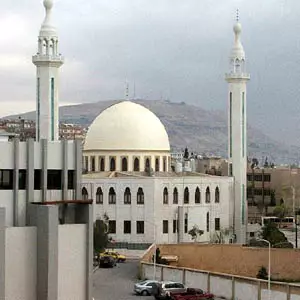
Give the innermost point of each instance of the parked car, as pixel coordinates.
(107, 261)
(165, 288)
(117, 256)
(191, 294)
(146, 287)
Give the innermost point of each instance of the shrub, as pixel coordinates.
(262, 273)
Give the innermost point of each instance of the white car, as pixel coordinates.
(145, 287)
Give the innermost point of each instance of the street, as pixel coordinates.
(117, 283)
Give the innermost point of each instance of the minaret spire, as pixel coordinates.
(47, 61)
(237, 131)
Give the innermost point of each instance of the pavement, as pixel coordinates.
(117, 283)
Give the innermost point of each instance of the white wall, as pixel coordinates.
(72, 260)
(21, 263)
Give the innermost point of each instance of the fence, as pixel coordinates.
(223, 285)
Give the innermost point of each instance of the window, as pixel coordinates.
(165, 196)
(207, 195)
(136, 165)
(127, 227)
(186, 197)
(175, 227)
(230, 170)
(85, 194)
(99, 196)
(185, 223)
(127, 196)
(71, 179)
(207, 222)
(165, 226)
(102, 164)
(22, 179)
(157, 164)
(112, 165)
(140, 196)
(111, 196)
(37, 179)
(147, 165)
(217, 195)
(217, 224)
(93, 164)
(252, 234)
(175, 196)
(111, 226)
(86, 158)
(54, 180)
(267, 177)
(6, 179)
(124, 164)
(139, 227)
(164, 164)
(197, 195)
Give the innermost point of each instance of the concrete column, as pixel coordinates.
(29, 176)
(208, 282)
(233, 288)
(65, 170)
(47, 252)
(2, 253)
(78, 169)
(183, 276)
(44, 152)
(258, 290)
(84, 215)
(288, 292)
(16, 182)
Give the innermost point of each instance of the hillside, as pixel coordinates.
(201, 130)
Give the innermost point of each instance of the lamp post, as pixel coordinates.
(269, 271)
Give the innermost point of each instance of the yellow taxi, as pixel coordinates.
(117, 256)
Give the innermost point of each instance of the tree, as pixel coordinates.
(195, 232)
(218, 237)
(101, 238)
(280, 211)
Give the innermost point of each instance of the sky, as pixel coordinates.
(168, 49)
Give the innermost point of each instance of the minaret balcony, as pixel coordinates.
(232, 76)
(48, 58)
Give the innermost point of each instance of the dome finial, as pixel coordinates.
(237, 15)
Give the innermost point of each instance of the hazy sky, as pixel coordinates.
(171, 49)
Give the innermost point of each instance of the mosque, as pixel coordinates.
(126, 158)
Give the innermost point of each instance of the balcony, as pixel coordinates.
(48, 58)
(229, 76)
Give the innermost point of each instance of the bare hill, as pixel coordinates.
(200, 130)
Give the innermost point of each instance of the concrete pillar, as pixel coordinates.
(183, 276)
(29, 176)
(47, 252)
(208, 282)
(65, 170)
(78, 169)
(16, 182)
(258, 290)
(233, 288)
(288, 292)
(44, 152)
(2, 253)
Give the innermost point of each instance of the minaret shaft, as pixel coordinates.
(47, 61)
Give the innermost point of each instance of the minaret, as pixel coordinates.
(47, 61)
(237, 133)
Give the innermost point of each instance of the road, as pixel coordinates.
(117, 283)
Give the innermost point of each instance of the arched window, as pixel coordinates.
(140, 196)
(93, 164)
(102, 164)
(175, 196)
(186, 218)
(112, 166)
(186, 196)
(164, 164)
(111, 196)
(147, 165)
(207, 195)
(85, 194)
(197, 196)
(165, 196)
(217, 195)
(124, 164)
(207, 222)
(156, 164)
(99, 196)
(127, 196)
(136, 165)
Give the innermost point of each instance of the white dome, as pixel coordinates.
(127, 126)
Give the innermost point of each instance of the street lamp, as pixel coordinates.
(269, 271)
